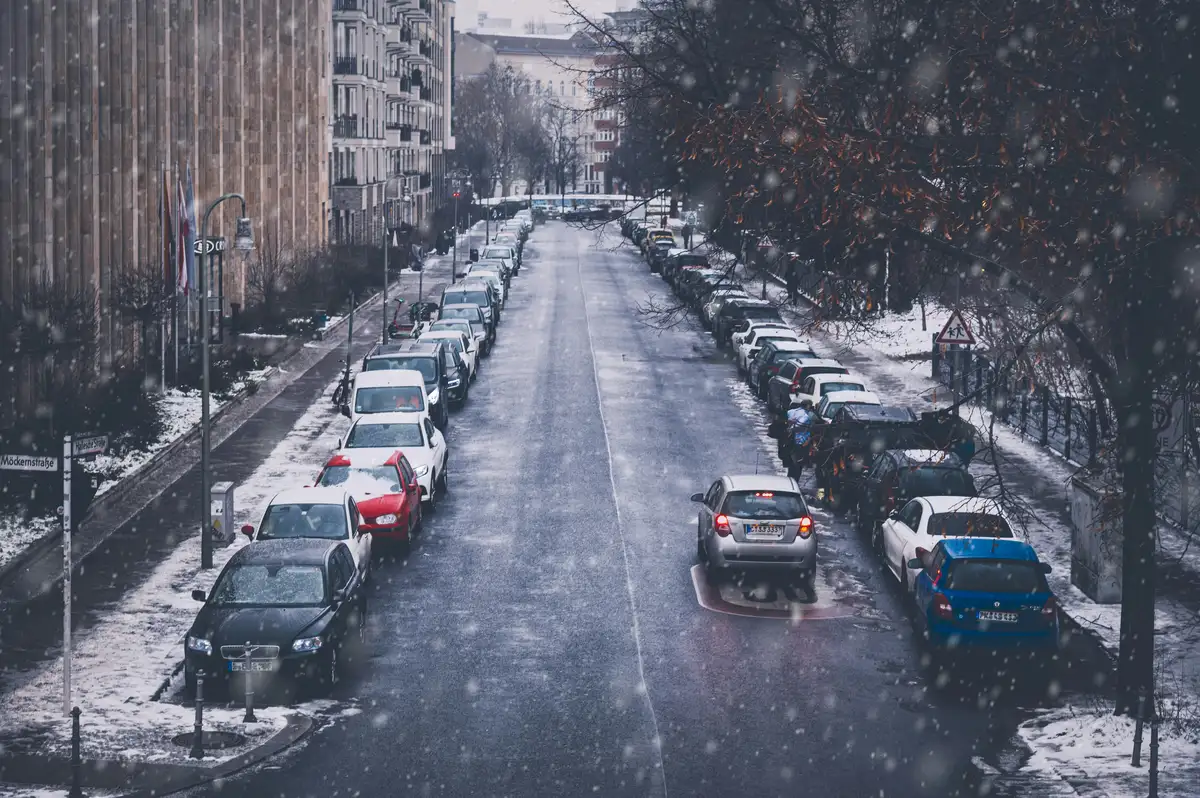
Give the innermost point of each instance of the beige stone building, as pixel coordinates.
(97, 97)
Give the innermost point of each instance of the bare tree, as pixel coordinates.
(269, 276)
(141, 293)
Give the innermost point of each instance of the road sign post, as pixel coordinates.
(956, 333)
(68, 452)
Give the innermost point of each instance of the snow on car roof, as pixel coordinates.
(963, 504)
(852, 397)
(388, 377)
(309, 496)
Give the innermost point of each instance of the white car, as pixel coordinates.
(460, 342)
(325, 513)
(816, 386)
(502, 252)
(387, 391)
(718, 298)
(739, 338)
(492, 276)
(748, 348)
(422, 443)
(833, 402)
(925, 520)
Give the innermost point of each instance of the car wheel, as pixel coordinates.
(701, 552)
(904, 577)
(362, 623)
(809, 583)
(713, 575)
(433, 493)
(445, 486)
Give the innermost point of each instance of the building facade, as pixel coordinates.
(389, 107)
(102, 101)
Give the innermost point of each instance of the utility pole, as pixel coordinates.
(454, 244)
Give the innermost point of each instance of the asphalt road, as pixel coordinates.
(547, 637)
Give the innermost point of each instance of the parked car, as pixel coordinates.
(299, 604)
(739, 338)
(898, 476)
(429, 359)
(756, 522)
(463, 326)
(491, 278)
(463, 345)
(680, 261)
(479, 326)
(768, 360)
(422, 443)
(985, 595)
(386, 390)
(834, 401)
(502, 252)
(384, 488)
(736, 317)
(784, 387)
(747, 350)
(325, 513)
(920, 524)
(476, 295)
(847, 444)
(656, 253)
(815, 387)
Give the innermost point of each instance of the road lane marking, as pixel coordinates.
(772, 603)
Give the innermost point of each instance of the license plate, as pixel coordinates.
(253, 666)
(765, 531)
(1001, 617)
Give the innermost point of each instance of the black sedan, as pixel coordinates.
(282, 611)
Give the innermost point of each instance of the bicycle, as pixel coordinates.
(341, 394)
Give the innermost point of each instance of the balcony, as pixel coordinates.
(350, 6)
(419, 10)
(398, 134)
(398, 86)
(399, 37)
(346, 127)
(426, 138)
(416, 77)
(346, 65)
(349, 180)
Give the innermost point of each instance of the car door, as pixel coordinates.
(437, 445)
(872, 487)
(779, 388)
(344, 578)
(412, 490)
(361, 541)
(898, 533)
(712, 500)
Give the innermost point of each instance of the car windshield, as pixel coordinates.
(755, 312)
(373, 479)
(471, 314)
(936, 481)
(304, 521)
(691, 260)
(976, 525)
(454, 342)
(762, 339)
(830, 387)
(422, 363)
(504, 253)
(829, 409)
(996, 576)
(388, 399)
(384, 436)
(764, 505)
(461, 325)
(270, 586)
(466, 298)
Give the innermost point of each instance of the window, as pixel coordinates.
(270, 586)
(713, 494)
(303, 521)
(911, 515)
(788, 371)
(765, 505)
(996, 576)
(342, 568)
(429, 429)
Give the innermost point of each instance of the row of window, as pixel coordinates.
(362, 166)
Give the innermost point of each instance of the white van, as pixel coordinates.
(387, 391)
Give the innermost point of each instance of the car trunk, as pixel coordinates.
(997, 595)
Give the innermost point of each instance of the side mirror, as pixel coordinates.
(345, 410)
(362, 530)
(1045, 567)
(394, 488)
(248, 530)
(341, 442)
(916, 564)
(199, 595)
(697, 497)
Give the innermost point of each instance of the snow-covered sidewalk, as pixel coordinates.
(1080, 742)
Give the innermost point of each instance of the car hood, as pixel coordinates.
(416, 455)
(372, 504)
(259, 625)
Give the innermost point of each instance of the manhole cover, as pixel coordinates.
(210, 740)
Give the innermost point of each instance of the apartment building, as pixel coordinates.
(390, 105)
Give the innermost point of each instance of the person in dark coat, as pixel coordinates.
(793, 282)
(687, 236)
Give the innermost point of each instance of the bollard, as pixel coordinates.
(76, 759)
(249, 688)
(1153, 753)
(1136, 761)
(197, 751)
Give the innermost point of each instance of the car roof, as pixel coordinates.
(444, 334)
(988, 548)
(309, 496)
(748, 302)
(417, 347)
(285, 551)
(388, 377)
(390, 417)
(769, 482)
(962, 504)
(926, 457)
(364, 457)
(817, 362)
(823, 378)
(862, 397)
(790, 346)
(462, 305)
(874, 413)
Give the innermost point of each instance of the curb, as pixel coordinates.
(177, 780)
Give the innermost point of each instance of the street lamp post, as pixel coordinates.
(244, 241)
(454, 244)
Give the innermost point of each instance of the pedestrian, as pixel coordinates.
(687, 236)
(799, 431)
(964, 445)
(793, 281)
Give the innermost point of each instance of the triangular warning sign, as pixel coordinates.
(956, 331)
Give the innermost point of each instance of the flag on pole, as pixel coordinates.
(191, 227)
(181, 269)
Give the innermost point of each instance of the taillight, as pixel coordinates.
(942, 608)
(796, 382)
(721, 523)
(806, 527)
(1049, 610)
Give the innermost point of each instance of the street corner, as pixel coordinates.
(756, 597)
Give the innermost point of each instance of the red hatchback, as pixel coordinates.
(386, 492)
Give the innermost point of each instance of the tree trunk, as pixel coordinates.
(1134, 409)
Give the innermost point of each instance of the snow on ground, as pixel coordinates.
(17, 534)
(120, 662)
(896, 335)
(26, 791)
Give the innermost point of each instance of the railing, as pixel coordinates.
(406, 33)
(345, 65)
(416, 77)
(426, 137)
(346, 181)
(345, 127)
(349, 5)
(426, 180)
(425, 48)
(427, 93)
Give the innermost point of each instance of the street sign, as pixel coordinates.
(209, 245)
(92, 444)
(27, 462)
(956, 332)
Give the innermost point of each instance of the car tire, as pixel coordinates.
(713, 575)
(701, 552)
(444, 487)
(904, 577)
(433, 493)
(809, 584)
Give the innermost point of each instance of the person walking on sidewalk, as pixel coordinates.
(687, 236)
(793, 281)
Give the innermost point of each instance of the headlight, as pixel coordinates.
(453, 383)
(199, 644)
(390, 518)
(421, 470)
(306, 644)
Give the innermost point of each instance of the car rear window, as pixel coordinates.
(426, 364)
(466, 298)
(768, 505)
(996, 576)
(384, 436)
(977, 525)
(936, 481)
(471, 314)
(830, 387)
(761, 313)
(812, 371)
(387, 399)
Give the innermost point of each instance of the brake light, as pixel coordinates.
(942, 608)
(721, 522)
(806, 527)
(1049, 610)
(796, 382)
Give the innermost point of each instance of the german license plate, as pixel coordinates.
(253, 666)
(766, 531)
(1000, 617)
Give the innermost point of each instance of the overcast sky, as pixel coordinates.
(521, 11)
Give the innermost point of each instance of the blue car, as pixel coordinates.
(985, 594)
